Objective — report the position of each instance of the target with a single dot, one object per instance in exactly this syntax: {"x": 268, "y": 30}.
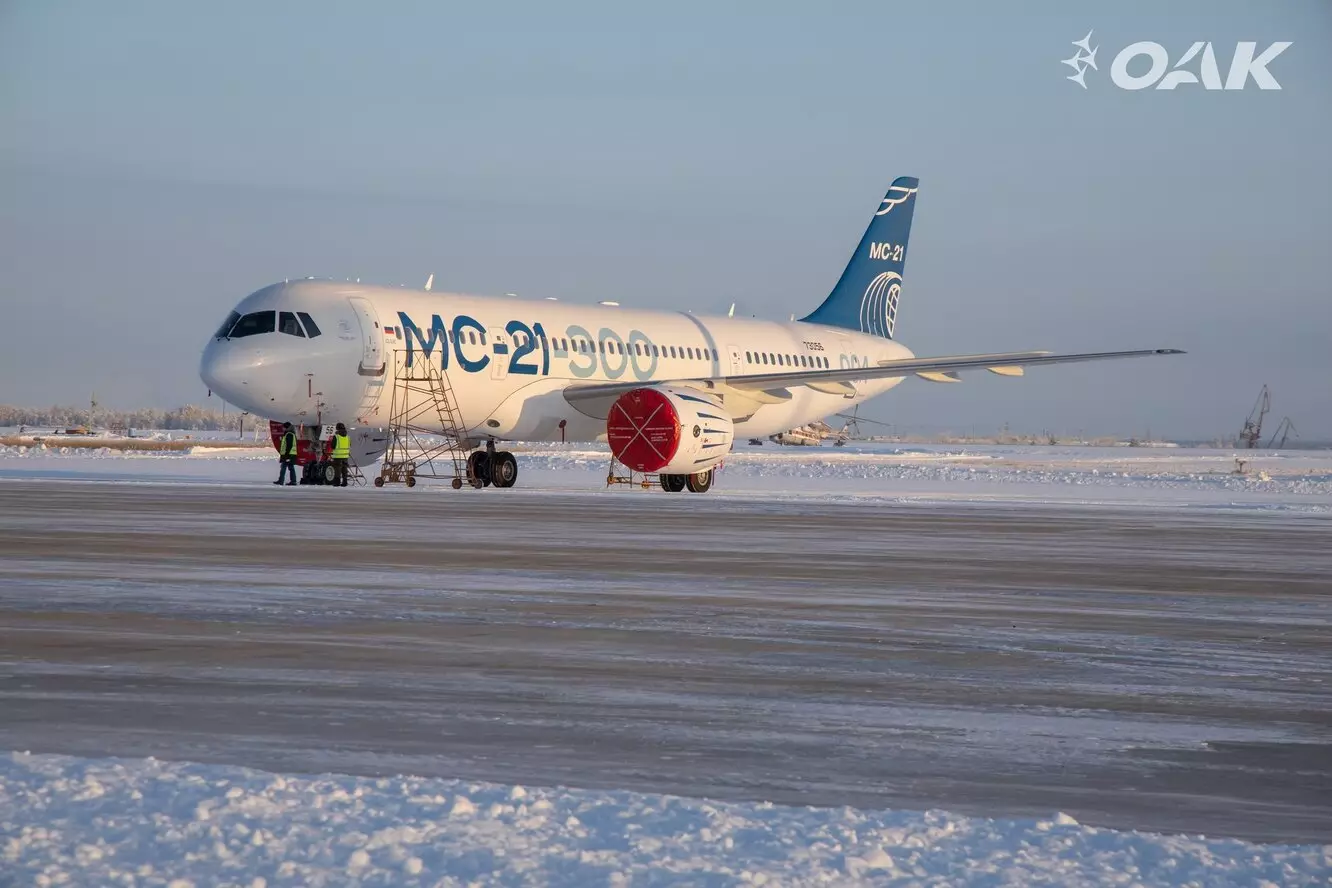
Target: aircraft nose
{"x": 229, "y": 370}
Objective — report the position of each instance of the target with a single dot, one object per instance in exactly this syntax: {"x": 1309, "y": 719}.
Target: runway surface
{"x": 1139, "y": 668}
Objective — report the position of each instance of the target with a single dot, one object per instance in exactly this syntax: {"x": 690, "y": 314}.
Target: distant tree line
{"x": 188, "y": 417}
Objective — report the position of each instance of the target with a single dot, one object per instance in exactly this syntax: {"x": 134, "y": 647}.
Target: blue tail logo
{"x": 867, "y": 294}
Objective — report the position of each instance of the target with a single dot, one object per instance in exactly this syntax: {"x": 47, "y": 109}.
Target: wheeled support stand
{"x": 697, "y": 482}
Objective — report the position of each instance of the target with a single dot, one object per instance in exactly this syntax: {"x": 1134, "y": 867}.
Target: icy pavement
{"x": 81, "y": 822}
{"x": 1141, "y": 476}
{"x": 1162, "y": 669}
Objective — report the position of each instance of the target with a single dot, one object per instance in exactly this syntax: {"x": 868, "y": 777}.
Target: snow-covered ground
{"x": 69, "y": 821}
{"x": 1173, "y": 477}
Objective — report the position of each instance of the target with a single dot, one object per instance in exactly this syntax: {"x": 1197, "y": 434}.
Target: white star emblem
{"x": 1081, "y": 60}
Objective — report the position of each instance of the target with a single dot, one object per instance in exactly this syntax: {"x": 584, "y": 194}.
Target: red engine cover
{"x": 643, "y": 429}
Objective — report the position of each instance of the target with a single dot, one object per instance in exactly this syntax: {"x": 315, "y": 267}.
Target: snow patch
{"x": 161, "y": 823}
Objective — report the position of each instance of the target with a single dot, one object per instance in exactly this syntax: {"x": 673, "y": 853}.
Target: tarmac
{"x": 1168, "y": 670}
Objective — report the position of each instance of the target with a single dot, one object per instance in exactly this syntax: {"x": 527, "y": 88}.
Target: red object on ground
{"x": 643, "y": 429}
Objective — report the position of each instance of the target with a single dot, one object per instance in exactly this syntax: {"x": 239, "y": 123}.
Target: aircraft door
{"x": 737, "y": 361}
{"x": 372, "y": 338}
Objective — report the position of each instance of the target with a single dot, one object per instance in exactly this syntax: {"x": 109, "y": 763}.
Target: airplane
{"x": 809, "y": 435}
{"x": 668, "y": 390}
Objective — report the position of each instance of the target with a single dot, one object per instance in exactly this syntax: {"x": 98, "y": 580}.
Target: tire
{"x": 411, "y": 480}
{"x": 504, "y": 470}
{"x": 478, "y": 469}
{"x": 329, "y": 473}
{"x": 379, "y": 480}
{"x": 672, "y": 483}
{"x": 699, "y": 482}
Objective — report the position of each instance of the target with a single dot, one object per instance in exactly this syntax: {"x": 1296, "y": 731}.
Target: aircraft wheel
{"x": 478, "y": 469}
{"x": 672, "y": 483}
{"x": 504, "y": 470}
{"x": 699, "y": 482}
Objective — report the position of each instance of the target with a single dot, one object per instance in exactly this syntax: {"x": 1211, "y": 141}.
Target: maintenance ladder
{"x": 426, "y": 433}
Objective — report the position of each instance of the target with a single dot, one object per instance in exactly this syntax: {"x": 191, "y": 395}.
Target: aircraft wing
{"x": 594, "y": 399}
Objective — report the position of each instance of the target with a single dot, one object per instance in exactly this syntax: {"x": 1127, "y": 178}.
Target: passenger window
{"x": 227, "y": 325}
{"x": 287, "y": 324}
{"x": 311, "y": 328}
{"x": 471, "y": 336}
{"x": 255, "y": 323}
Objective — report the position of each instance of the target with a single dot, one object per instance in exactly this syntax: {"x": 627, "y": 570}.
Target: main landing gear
{"x": 698, "y": 482}
{"x": 491, "y": 466}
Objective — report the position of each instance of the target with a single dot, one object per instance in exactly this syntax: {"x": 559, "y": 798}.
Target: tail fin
{"x": 866, "y": 296}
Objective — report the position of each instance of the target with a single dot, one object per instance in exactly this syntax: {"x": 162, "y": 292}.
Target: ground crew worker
{"x": 287, "y": 454}
{"x": 341, "y": 453}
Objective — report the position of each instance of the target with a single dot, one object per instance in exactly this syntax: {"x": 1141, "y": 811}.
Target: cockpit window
{"x": 310, "y": 326}
{"x": 227, "y": 325}
{"x": 254, "y": 323}
{"x": 287, "y": 324}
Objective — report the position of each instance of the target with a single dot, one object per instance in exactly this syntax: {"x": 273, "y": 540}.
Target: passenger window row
{"x": 237, "y": 326}
{"x": 780, "y": 360}
{"x": 615, "y": 347}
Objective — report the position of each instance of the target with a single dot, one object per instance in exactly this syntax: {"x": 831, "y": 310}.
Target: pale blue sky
{"x": 158, "y": 161}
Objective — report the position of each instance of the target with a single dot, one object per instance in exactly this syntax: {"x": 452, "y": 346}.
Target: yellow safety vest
{"x": 288, "y": 445}
{"x": 341, "y": 447}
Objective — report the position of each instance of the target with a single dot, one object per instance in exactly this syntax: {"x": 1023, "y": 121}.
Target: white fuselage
{"x": 508, "y": 361}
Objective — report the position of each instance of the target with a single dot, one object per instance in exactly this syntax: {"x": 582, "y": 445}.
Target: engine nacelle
{"x": 669, "y": 429}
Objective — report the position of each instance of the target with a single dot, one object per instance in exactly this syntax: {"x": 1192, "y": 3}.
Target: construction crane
{"x": 1253, "y": 426}
{"x": 1285, "y": 429}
